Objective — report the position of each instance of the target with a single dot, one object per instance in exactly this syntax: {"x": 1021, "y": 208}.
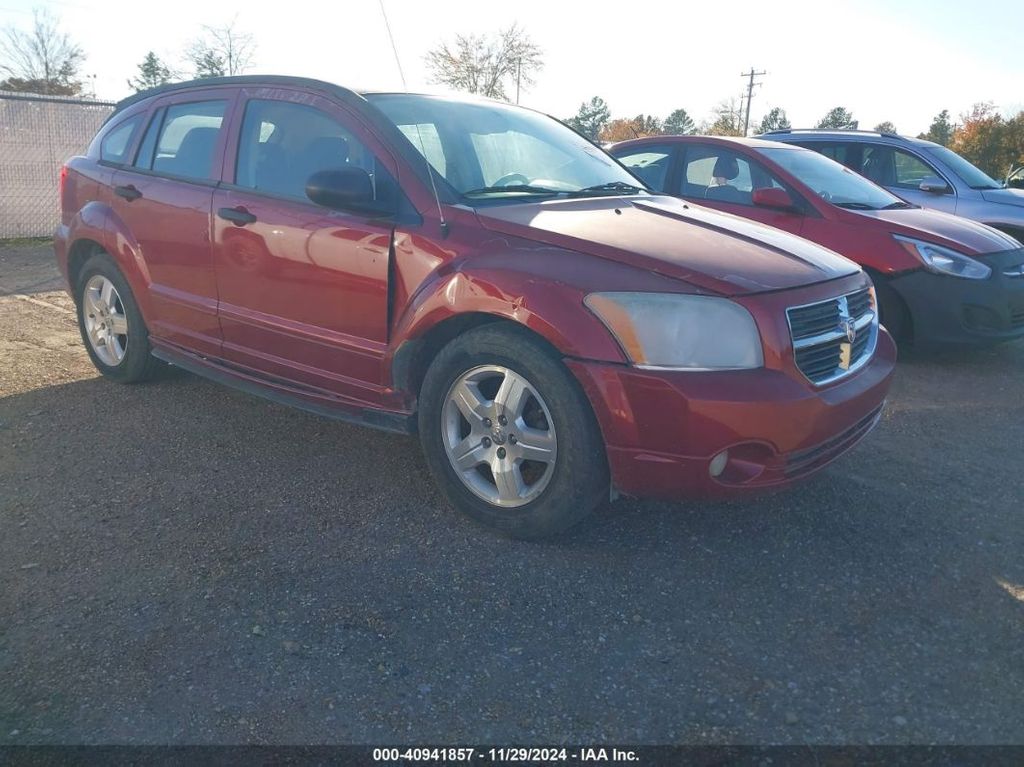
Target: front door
{"x": 724, "y": 179}
{"x": 303, "y": 289}
{"x": 901, "y": 172}
{"x": 164, "y": 199}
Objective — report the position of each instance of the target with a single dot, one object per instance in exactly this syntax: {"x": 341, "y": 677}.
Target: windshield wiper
{"x": 520, "y": 188}
{"x": 613, "y": 187}
{"x": 899, "y": 205}
{"x": 855, "y": 205}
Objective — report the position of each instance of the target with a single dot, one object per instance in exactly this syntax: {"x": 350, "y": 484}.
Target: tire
{"x": 127, "y": 357}
{"x": 497, "y": 371}
{"x": 892, "y": 311}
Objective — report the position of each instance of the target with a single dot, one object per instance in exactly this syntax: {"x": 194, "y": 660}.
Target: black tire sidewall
{"x": 893, "y": 312}
{"x": 137, "y": 364}
{"x": 579, "y": 483}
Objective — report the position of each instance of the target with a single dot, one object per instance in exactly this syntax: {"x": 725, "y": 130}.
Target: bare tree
{"x": 222, "y": 51}
{"x": 487, "y": 64}
{"x": 44, "y": 60}
{"x": 728, "y": 120}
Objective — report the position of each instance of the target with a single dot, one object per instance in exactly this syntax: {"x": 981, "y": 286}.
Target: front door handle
{"x": 128, "y": 192}
{"x": 237, "y": 216}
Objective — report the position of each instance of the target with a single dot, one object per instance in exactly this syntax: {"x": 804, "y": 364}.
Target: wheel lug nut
{"x": 487, "y": 422}
{"x": 501, "y": 452}
{"x": 512, "y": 439}
{"x": 502, "y": 420}
{"x": 486, "y": 441}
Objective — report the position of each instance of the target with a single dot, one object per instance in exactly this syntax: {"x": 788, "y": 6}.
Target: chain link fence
{"x": 37, "y": 134}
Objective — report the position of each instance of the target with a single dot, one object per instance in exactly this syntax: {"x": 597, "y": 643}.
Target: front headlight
{"x": 668, "y": 330}
{"x": 944, "y": 260}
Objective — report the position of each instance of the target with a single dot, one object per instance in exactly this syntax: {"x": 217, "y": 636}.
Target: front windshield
{"x": 832, "y": 181}
{"x": 497, "y": 151}
{"x": 974, "y": 177}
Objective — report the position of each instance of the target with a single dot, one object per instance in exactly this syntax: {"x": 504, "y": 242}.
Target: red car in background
{"x": 474, "y": 272}
{"x": 940, "y": 278}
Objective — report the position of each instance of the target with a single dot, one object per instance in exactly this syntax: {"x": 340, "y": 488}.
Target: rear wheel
{"x": 509, "y": 435}
{"x": 111, "y": 325}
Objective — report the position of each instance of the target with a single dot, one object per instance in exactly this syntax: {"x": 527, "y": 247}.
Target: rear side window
{"x": 650, "y": 164}
{"x": 182, "y": 138}
{"x": 845, "y": 154}
{"x": 114, "y": 147}
{"x": 282, "y": 144}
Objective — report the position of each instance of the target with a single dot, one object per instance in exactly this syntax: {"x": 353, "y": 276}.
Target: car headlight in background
{"x": 945, "y": 260}
{"x": 685, "y": 332}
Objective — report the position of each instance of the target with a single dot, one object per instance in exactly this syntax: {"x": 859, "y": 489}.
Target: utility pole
{"x": 519, "y": 74}
{"x": 750, "y": 93}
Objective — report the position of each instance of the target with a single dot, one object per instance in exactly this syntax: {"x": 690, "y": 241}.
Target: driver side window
{"x": 720, "y": 174}
{"x": 282, "y": 144}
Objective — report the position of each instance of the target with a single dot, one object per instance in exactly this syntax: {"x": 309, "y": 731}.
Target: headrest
{"x": 726, "y": 167}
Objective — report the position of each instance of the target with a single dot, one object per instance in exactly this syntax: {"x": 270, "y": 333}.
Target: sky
{"x": 897, "y": 60}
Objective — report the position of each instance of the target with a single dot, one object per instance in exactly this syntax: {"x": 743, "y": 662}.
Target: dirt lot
{"x": 183, "y": 563}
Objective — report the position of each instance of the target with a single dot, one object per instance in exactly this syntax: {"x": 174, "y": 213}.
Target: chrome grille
{"x": 821, "y": 334}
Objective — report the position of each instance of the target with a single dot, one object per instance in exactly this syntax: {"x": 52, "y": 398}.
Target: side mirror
{"x": 934, "y": 185}
{"x": 773, "y": 197}
{"x": 344, "y": 189}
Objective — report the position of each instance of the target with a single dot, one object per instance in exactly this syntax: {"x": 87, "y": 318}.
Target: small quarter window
{"x": 114, "y": 146}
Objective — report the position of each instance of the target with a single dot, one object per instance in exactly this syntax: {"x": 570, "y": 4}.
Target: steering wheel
{"x": 512, "y": 179}
{"x": 825, "y": 195}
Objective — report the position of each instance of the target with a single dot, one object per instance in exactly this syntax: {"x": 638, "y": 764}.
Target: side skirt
{"x": 247, "y": 381}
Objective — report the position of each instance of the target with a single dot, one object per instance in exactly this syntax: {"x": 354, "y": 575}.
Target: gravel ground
{"x": 181, "y": 563}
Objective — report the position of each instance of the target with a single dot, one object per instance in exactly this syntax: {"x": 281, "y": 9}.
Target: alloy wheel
{"x": 499, "y": 436}
{"x": 106, "y": 324}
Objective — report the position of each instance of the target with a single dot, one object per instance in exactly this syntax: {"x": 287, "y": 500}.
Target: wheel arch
{"x": 550, "y": 310}
{"x": 412, "y": 358}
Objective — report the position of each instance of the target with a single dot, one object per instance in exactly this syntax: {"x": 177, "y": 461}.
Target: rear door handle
{"x": 128, "y": 192}
{"x": 239, "y": 216}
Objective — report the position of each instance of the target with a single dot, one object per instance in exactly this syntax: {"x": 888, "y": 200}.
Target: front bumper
{"x": 662, "y": 429}
{"x": 952, "y": 310}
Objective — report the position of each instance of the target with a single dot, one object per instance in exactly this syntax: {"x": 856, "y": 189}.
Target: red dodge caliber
{"x": 475, "y": 272}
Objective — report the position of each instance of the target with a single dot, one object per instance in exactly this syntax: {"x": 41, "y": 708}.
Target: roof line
{"x": 209, "y": 82}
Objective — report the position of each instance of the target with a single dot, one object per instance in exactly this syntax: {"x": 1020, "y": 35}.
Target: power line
{"x": 750, "y": 94}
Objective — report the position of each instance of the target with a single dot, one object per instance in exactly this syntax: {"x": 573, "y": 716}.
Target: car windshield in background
{"x": 834, "y": 182}
{"x": 974, "y": 177}
{"x": 492, "y": 151}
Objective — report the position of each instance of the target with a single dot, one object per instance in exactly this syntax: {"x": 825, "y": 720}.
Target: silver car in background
{"x": 921, "y": 172}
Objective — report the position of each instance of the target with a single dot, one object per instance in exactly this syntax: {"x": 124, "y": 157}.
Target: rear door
{"x": 164, "y": 199}
{"x": 303, "y": 289}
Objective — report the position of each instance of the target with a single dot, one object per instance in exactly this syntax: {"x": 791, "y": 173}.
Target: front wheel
{"x": 892, "y": 310}
{"x": 509, "y": 435}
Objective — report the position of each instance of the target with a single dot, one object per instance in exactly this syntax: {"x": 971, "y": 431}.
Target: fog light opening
{"x": 718, "y": 464}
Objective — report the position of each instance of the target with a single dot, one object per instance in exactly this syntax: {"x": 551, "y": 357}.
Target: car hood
{"x": 959, "y": 233}
{"x": 713, "y": 251}
{"x": 1005, "y": 196}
